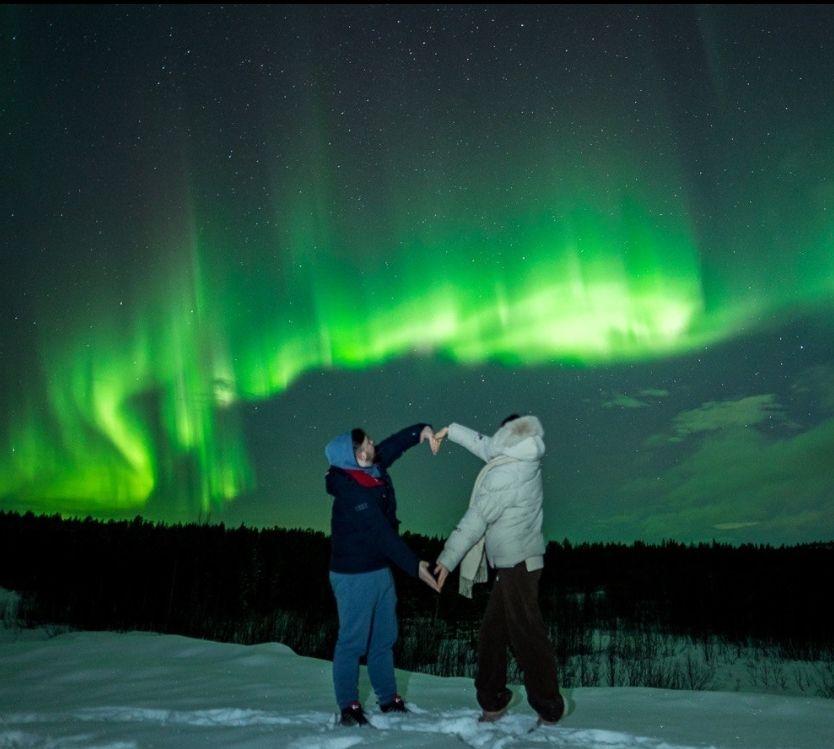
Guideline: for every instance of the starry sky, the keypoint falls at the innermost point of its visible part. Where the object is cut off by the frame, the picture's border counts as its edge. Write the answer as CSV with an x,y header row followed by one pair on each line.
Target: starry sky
x,y
231,233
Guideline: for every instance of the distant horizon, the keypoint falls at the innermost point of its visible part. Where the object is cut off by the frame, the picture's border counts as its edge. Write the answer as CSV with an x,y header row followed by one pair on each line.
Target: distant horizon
x,y
406,531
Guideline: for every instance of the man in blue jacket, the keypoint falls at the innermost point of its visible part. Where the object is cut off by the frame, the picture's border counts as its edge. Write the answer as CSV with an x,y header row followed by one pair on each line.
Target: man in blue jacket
x,y
364,543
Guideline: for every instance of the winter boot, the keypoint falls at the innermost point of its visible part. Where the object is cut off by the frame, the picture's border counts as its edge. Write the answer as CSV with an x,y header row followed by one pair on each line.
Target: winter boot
x,y
553,719
353,715
490,716
395,706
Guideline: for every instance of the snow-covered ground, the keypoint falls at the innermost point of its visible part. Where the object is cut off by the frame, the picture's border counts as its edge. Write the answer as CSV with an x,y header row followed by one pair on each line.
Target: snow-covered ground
x,y
119,691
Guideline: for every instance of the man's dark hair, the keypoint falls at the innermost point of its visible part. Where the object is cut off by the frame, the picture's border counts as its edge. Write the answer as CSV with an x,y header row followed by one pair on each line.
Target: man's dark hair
x,y
511,417
357,436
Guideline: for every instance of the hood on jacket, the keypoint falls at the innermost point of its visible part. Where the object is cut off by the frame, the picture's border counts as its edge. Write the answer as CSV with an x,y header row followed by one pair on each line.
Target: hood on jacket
x,y
522,439
339,453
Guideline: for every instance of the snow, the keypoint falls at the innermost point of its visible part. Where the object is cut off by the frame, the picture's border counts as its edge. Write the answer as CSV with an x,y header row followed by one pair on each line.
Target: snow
x,y
124,691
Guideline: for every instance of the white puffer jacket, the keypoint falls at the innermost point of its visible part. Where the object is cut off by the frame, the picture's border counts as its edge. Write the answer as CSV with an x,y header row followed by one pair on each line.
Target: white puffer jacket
x,y
508,504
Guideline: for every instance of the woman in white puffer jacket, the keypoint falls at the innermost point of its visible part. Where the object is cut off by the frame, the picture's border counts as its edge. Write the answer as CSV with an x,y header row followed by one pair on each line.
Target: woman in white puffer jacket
x,y
507,502
505,519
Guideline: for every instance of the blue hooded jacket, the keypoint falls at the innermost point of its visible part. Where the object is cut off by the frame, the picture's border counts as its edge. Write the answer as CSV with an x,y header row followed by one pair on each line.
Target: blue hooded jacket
x,y
364,521
339,453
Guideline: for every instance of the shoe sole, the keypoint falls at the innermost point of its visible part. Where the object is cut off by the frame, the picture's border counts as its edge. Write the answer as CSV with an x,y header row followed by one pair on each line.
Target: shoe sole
x,y
492,717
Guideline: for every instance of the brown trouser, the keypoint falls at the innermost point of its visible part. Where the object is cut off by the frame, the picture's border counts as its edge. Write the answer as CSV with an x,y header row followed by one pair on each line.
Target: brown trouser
x,y
513,619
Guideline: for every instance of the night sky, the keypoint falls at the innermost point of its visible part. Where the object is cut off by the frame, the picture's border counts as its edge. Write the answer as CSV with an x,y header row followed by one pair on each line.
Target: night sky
x,y
231,233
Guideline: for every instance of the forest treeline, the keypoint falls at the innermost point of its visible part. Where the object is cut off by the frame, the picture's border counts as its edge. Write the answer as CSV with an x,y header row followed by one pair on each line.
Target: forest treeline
x,y
253,585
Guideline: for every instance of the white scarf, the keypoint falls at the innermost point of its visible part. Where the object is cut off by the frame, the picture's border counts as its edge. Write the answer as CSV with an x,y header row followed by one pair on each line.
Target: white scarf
x,y
473,567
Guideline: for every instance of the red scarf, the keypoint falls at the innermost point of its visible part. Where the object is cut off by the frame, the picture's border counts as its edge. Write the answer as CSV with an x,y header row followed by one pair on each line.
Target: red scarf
x,y
364,479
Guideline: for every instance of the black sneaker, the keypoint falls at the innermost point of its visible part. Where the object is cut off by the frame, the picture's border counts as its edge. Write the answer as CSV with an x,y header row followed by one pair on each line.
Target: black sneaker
x,y
353,715
395,706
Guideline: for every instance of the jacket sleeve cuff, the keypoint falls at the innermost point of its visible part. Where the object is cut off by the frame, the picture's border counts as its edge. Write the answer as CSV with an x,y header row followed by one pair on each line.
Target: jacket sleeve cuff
x,y
448,559
456,432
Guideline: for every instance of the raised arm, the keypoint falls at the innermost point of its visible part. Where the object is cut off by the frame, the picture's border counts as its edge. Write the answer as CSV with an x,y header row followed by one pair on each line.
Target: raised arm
x,y
391,448
478,444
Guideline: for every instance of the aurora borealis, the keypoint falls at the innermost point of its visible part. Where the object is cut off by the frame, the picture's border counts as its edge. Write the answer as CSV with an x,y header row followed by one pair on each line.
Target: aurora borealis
x,y
232,232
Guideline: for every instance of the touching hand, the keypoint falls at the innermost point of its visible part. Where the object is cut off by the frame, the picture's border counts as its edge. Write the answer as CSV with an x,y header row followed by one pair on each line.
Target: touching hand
x,y
441,573
437,440
427,577
434,443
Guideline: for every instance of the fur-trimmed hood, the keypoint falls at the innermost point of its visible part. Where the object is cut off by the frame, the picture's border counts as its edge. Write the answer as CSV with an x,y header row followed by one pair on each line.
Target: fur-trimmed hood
x,y
522,439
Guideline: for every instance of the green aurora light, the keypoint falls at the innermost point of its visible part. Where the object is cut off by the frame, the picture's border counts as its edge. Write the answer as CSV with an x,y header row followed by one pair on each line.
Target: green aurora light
x,y
556,252
130,409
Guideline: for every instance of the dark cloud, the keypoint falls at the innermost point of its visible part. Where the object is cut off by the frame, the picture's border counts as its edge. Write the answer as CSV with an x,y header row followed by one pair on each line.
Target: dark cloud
x,y
624,401
621,400
738,483
654,393
715,416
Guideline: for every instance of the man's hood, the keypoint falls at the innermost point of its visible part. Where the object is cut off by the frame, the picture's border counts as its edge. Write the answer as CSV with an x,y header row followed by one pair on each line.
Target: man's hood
x,y
339,453
522,439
